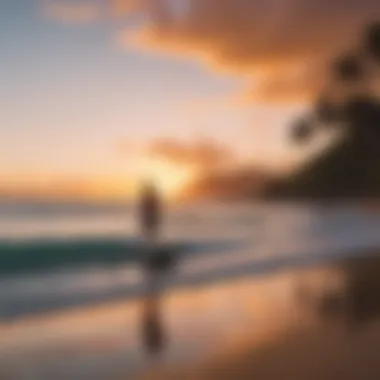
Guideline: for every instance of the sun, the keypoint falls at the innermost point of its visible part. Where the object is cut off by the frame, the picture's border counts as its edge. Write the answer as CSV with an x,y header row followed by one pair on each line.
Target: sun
x,y
169,177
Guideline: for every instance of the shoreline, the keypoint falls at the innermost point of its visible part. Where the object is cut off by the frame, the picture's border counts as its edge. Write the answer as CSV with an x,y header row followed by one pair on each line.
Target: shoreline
x,y
243,326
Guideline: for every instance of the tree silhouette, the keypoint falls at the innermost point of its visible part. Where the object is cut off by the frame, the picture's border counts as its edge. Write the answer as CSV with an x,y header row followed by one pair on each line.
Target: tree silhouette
x,y
352,167
348,68
372,41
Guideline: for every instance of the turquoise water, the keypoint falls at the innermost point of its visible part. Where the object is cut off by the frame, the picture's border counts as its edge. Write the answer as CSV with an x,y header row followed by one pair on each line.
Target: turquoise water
x,y
41,238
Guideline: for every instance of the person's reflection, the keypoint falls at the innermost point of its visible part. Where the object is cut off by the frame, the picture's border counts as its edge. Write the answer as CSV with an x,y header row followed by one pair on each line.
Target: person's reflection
x,y
156,267
153,332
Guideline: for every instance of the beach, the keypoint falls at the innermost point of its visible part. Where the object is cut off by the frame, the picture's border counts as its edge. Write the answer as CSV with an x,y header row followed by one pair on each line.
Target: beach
x,y
333,334
275,290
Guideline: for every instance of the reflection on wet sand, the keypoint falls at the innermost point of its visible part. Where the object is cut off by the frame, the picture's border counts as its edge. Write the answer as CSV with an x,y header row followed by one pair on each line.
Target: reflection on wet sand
x,y
333,334
313,323
153,330
349,290
158,264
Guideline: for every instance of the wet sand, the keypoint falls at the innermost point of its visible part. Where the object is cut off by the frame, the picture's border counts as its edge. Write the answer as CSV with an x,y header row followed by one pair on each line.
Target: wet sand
x,y
336,334
316,323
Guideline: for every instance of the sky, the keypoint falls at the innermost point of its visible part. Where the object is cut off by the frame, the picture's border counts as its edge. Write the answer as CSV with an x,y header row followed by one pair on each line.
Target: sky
x,y
98,93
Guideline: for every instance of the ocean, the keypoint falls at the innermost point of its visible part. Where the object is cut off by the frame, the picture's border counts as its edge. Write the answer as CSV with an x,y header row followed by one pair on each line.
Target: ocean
x,y
59,256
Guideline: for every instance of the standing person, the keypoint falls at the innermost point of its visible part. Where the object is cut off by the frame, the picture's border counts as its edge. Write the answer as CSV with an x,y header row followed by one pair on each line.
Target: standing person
x,y
150,212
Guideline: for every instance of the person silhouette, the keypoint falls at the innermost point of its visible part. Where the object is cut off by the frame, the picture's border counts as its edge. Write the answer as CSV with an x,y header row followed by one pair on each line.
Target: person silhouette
x,y
158,257
150,212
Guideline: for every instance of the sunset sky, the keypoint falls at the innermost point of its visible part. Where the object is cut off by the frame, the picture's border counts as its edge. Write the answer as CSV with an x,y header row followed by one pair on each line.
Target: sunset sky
x,y
96,94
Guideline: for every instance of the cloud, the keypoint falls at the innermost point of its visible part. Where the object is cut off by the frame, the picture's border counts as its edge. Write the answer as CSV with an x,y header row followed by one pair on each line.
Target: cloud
x,y
285,86
72,11
121,8
258,38
87,11
281,46
47,187
239,183
203,154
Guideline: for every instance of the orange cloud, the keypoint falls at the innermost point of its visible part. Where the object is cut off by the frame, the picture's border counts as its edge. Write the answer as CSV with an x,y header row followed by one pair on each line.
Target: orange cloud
x,y
201,154
262,40
286,86
65,188
121,8
204,154
257,38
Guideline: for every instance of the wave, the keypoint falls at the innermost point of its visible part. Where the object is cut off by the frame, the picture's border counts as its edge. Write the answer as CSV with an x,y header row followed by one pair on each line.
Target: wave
x,y
41,255
25,256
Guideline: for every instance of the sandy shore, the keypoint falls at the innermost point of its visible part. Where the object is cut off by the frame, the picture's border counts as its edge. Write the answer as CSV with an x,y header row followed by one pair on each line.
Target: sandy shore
x,y
336,334
315,323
